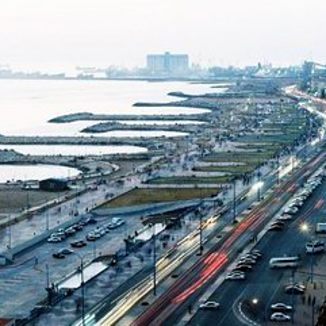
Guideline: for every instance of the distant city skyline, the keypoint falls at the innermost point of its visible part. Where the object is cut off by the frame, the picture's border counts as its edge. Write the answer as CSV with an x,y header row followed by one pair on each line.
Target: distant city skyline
x,y
44,35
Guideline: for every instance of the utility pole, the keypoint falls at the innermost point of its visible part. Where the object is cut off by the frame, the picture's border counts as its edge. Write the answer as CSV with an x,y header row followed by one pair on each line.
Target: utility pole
x,y
47,226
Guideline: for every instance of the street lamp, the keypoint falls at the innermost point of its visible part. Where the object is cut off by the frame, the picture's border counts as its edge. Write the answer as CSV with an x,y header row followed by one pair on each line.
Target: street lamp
x,y
82,283
234,200
154,259
305,228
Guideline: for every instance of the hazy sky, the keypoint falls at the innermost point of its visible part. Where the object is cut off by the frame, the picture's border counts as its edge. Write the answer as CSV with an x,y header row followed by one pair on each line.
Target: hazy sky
x,y
121,32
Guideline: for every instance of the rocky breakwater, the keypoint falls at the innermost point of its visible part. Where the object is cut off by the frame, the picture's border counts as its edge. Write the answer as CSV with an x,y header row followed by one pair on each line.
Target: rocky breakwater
x,y
86,116
112,126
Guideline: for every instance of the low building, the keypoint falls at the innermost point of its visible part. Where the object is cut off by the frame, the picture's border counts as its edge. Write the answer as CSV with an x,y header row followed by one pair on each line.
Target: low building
x,y
53,184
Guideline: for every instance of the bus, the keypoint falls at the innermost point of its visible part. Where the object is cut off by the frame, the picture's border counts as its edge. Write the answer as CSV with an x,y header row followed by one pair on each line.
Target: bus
x,y
284,262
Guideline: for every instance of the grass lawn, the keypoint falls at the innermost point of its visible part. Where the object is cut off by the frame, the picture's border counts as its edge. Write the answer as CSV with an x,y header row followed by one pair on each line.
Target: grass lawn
x,y
159,195
245,157
234,169
191,180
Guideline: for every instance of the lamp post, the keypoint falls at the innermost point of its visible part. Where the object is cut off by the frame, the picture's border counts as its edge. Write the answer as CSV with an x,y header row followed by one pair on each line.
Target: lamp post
x,y
82,283
154,260
305,228
234,200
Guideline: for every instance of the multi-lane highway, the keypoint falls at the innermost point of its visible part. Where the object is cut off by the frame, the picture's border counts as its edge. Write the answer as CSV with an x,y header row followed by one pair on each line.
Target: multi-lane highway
x,y
265,285
168,308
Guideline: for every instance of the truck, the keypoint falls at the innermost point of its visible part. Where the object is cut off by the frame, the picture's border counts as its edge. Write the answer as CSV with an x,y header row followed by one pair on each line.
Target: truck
x,y
321,228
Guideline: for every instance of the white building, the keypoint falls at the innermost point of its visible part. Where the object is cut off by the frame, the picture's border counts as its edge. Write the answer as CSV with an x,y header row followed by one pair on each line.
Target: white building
x,y
168,64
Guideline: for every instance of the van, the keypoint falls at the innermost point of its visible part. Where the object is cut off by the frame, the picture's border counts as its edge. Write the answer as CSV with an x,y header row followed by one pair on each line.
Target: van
x,y
321,228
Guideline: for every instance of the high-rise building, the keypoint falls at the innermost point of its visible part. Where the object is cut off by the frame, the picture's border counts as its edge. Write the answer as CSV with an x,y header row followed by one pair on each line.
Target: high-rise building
x,y
170,64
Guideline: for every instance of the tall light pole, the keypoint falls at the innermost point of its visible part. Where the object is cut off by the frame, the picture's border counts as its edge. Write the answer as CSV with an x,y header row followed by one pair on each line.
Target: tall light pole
x,y
82,285
234,200
154,260
9,232
305,228
259,185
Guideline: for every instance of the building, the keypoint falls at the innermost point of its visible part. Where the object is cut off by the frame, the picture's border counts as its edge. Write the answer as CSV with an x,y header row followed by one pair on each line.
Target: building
x,y
52,184
168,64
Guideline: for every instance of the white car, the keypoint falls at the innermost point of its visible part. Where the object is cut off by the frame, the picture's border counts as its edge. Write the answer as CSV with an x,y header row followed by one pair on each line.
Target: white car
x,y
281,307
54,239
285,217
235,276
209,305
279,316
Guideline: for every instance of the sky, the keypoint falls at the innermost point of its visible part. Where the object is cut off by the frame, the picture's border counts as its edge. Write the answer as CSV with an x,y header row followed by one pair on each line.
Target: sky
x,y
62,33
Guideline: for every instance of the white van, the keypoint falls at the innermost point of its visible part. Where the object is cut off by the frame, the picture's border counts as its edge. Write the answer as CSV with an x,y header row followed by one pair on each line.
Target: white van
x,y
321,228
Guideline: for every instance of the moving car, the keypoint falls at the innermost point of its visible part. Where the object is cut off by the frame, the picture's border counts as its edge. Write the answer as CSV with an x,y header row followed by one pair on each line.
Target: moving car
x,y
65,251
209,305
78,244
235,276
279,316
58,255
54,239
281,307
293,289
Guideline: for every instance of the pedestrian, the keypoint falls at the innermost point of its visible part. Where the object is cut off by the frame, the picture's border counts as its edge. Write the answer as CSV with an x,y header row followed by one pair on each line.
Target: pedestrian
x,y
303,298
309,300
189,308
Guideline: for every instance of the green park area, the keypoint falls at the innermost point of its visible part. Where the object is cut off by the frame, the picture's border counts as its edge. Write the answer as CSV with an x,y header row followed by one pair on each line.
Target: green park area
x,y
141,196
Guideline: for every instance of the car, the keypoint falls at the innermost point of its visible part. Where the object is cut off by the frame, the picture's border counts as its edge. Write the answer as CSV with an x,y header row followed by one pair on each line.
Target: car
x,y
280,223
243,268
209,305
91,221
293,289
65,251
275,227
78,227
285,217
279,316
256,252
291,210
250,256
247,260
90,237
70,231
54,239
235,276
58,255
78,244
281,307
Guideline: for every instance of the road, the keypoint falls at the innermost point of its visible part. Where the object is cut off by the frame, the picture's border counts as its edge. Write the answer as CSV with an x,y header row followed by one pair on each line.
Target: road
x,y
262,283
168,308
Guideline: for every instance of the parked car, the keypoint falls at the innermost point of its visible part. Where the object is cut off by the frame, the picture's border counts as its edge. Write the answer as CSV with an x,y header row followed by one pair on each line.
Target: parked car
x,y
209,305
243,268
275,227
